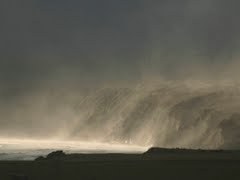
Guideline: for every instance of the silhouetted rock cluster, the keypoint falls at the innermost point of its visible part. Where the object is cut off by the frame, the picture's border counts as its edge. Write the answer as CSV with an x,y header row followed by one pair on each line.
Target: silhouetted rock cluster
x,y
56,155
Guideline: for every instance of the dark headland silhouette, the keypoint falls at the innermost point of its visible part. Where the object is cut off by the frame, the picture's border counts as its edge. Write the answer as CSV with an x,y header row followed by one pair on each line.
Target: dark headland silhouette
x,y
153,153
155,163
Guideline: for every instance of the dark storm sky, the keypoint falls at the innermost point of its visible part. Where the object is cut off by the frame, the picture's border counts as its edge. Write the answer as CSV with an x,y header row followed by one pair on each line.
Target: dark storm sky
x,y
102,41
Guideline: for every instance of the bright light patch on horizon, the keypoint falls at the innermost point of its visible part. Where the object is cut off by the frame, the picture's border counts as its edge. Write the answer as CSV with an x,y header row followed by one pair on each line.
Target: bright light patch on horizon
x,y
68,146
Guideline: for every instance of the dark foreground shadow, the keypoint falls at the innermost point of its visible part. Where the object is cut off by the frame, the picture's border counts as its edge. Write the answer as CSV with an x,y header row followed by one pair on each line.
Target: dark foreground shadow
x,y
18,177
156,163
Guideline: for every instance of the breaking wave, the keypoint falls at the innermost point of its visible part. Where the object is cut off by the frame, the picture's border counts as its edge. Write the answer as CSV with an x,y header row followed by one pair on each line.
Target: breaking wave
x,y
165,114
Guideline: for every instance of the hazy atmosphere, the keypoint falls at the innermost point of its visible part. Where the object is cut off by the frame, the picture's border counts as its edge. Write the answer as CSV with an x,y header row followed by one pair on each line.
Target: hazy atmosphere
x,y
139,72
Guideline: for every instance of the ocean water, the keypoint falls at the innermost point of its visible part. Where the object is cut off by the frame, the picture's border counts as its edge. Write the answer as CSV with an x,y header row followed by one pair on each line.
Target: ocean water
x,y
31,149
